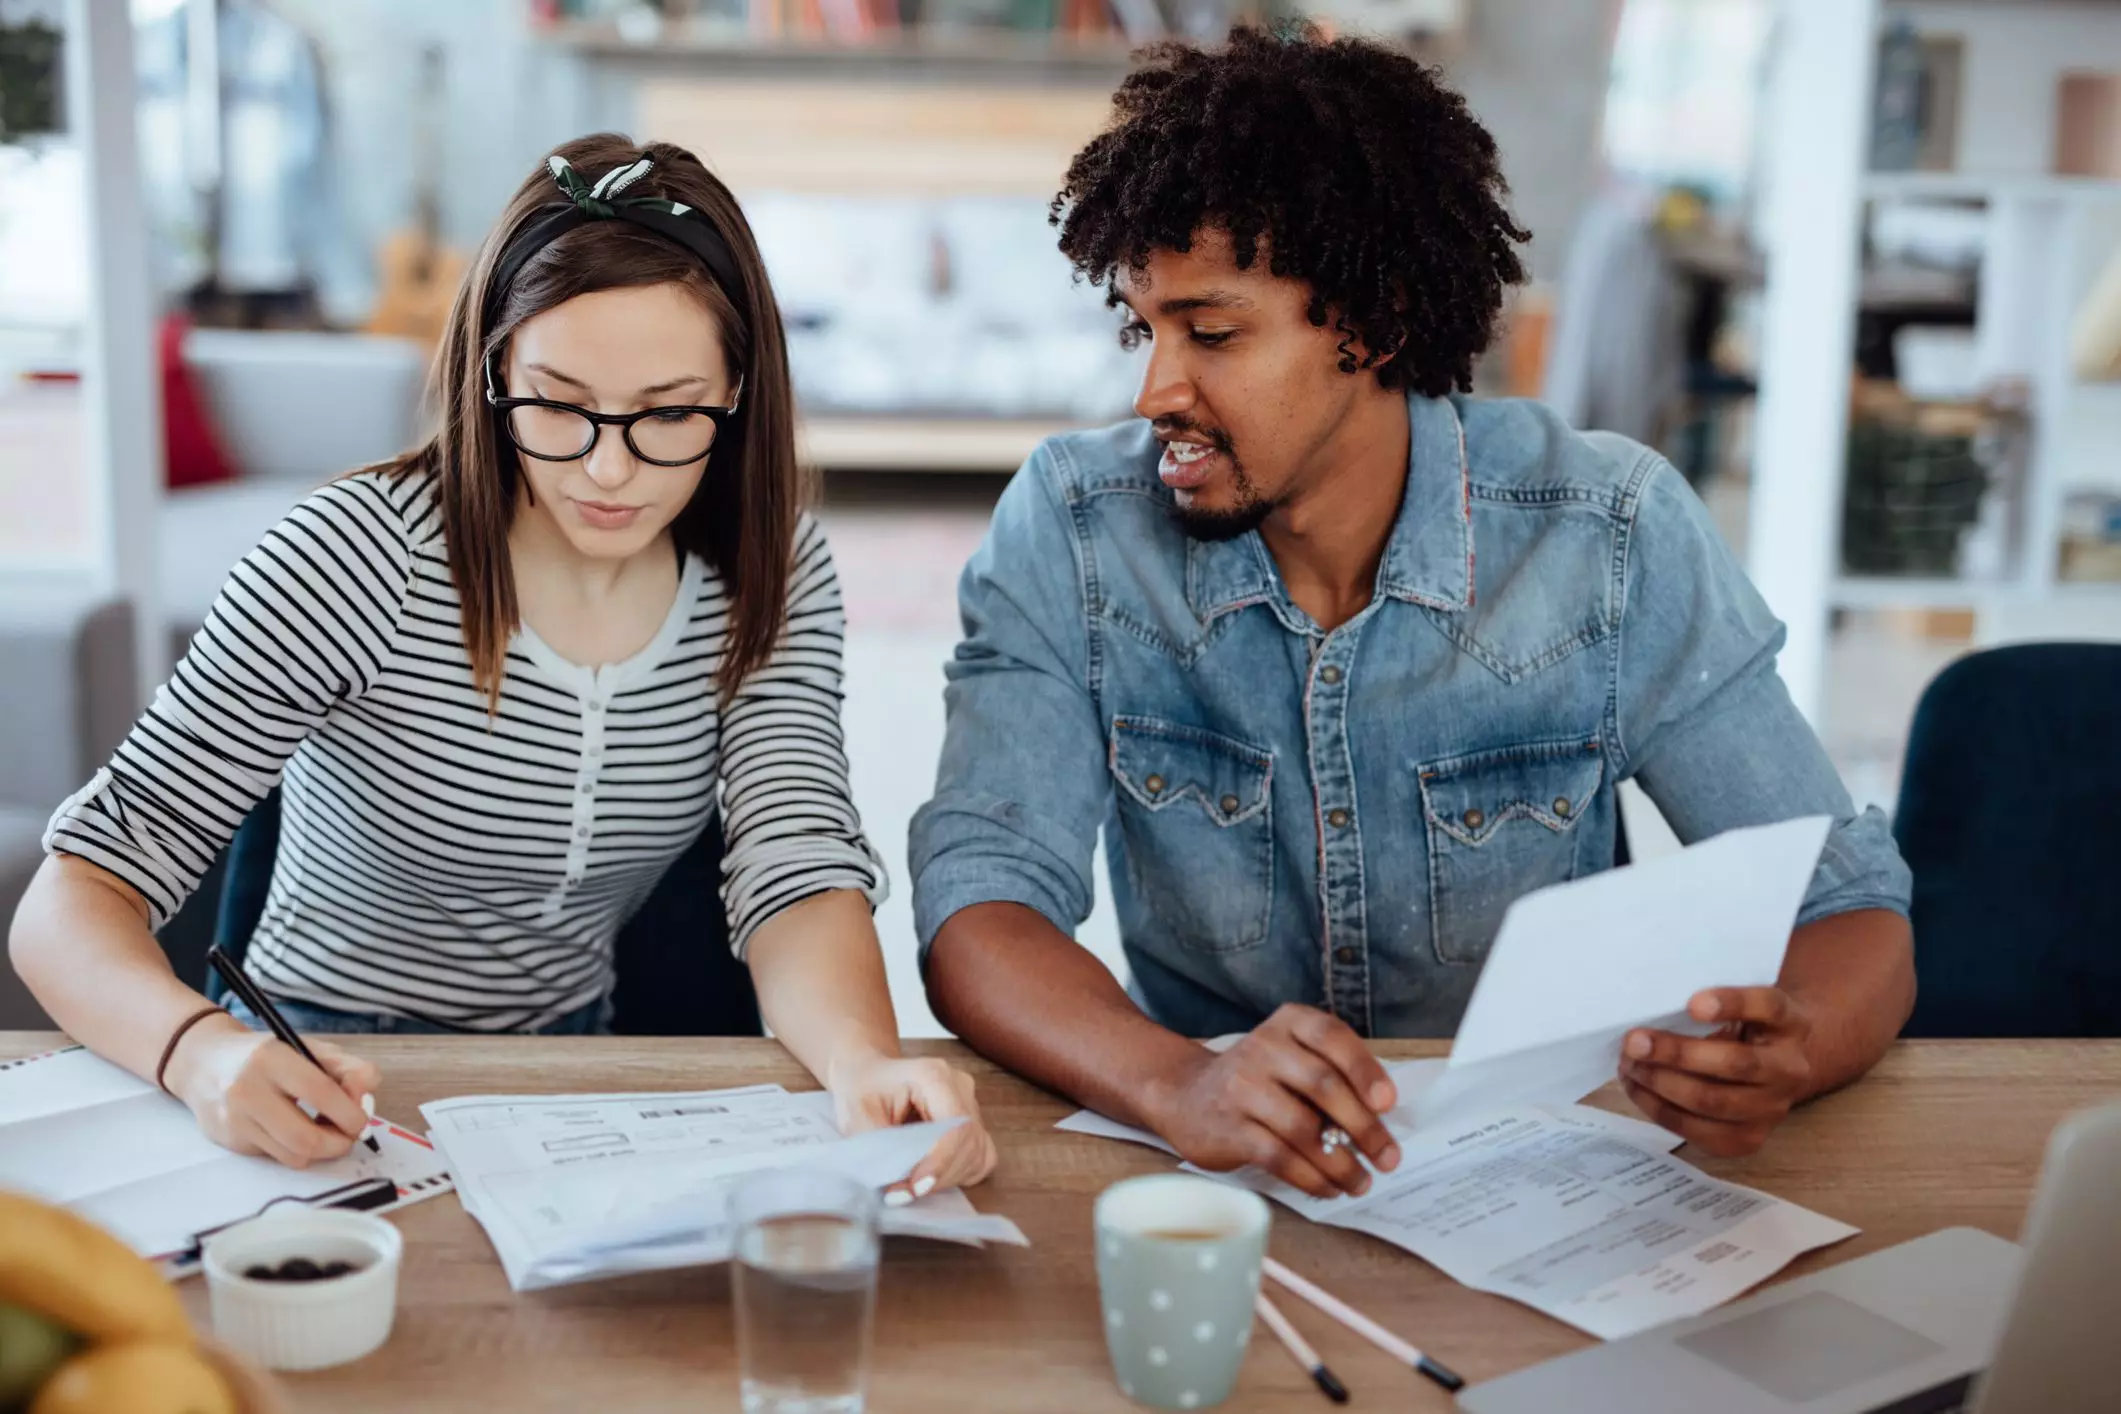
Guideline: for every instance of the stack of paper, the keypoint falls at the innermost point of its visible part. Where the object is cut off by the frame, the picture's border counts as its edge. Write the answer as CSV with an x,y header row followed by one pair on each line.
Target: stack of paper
x,y
1508,1186
575,1187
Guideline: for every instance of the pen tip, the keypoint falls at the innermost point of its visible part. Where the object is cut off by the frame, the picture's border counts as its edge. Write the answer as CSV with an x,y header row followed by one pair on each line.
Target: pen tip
x,y
1442,1374
1330,1383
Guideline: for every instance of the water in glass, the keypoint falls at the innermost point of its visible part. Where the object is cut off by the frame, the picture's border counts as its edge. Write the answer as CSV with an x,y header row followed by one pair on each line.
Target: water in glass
x,y
805,1289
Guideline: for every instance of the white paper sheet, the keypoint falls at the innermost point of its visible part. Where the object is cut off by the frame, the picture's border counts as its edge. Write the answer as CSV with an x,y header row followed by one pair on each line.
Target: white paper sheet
x,y
575,1187
81,1132
1578,966
1573,1219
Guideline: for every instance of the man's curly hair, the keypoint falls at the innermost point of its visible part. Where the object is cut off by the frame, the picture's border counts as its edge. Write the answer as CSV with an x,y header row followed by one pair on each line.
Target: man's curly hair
x,y
1360,172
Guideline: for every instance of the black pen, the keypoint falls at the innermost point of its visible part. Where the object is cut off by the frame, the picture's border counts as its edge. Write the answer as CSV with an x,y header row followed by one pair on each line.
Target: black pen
x,y
1300,1351
247,991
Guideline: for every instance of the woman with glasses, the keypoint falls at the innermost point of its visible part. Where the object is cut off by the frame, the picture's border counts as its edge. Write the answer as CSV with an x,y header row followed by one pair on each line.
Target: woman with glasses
x,y
503,682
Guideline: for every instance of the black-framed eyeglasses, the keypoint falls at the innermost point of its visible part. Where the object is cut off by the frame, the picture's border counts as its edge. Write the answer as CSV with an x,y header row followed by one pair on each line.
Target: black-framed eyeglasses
x,y
561,432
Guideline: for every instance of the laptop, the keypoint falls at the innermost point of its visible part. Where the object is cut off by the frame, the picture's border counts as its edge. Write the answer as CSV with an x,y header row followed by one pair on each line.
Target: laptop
x,y
1909,1330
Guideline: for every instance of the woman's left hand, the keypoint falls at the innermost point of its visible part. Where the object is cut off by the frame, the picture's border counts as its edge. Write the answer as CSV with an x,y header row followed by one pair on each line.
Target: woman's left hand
x,y
876,1091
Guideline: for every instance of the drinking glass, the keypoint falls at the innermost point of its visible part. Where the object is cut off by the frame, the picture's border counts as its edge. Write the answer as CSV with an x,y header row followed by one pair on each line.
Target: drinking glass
x,y
806,1250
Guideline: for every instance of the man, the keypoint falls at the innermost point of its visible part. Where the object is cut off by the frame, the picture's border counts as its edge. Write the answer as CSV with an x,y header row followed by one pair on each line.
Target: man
x,y
1344,662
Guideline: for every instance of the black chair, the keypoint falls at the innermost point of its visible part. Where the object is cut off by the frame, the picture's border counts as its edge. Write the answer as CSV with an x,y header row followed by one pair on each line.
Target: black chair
x,y
674,973
2010,817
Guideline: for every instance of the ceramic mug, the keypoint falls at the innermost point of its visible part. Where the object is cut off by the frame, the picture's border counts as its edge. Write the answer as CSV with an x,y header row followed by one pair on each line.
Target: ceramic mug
x,y
1178,1262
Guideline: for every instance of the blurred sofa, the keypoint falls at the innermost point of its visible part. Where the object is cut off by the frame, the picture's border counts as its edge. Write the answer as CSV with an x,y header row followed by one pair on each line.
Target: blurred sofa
x,y
66,695
292,410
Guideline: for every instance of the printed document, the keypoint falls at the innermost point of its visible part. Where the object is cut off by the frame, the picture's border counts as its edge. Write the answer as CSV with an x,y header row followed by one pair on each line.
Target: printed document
x,y
575,1187
1573,1218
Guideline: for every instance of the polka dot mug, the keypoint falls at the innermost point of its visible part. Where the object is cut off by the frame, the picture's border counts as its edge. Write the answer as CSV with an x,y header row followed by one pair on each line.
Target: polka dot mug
x,y
1177,1271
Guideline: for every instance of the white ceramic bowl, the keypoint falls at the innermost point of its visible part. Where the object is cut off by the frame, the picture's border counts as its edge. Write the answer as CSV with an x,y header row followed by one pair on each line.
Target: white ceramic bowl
x,y
304,1325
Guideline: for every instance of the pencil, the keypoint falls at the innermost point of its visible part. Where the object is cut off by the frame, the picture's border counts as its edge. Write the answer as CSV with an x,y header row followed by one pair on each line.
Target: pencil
x,y
1363,1326
1300,1350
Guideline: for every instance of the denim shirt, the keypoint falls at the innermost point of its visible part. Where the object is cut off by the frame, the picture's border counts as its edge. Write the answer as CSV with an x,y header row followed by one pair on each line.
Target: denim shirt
x,y
1341,818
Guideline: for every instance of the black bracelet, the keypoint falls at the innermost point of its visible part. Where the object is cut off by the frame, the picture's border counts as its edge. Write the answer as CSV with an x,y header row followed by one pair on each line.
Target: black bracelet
x,y
177,1035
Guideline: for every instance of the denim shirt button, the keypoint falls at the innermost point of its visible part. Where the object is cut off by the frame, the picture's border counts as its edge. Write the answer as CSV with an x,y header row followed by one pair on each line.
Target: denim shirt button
x,y
1344,955
1154,785
1475,818
1229,804
1329,675
1562,807
1338,819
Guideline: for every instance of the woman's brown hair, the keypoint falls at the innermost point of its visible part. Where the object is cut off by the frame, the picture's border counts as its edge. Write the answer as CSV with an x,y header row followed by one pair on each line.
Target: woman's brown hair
x,y
742,519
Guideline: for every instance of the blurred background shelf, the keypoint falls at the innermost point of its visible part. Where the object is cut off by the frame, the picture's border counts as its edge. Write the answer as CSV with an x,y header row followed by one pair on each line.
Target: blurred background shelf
x,y
1888,592
1870,592
977,55
872,137
1986,186
976,444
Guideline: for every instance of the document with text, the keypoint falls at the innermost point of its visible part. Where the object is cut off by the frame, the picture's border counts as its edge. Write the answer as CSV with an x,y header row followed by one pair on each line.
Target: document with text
x,y
1581,1221
576,1187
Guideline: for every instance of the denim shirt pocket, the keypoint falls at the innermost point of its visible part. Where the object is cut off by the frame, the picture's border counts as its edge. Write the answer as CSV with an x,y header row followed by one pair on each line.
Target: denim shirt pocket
x,y
1501,824
1195,812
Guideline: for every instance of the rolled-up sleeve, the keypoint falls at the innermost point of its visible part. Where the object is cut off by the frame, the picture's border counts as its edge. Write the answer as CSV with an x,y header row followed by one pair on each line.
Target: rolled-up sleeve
x,y
302,626
1705,723
792,828
1022,785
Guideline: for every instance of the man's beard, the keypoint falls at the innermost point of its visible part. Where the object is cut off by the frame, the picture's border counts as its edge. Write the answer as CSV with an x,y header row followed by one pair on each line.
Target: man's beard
x,y
1250,512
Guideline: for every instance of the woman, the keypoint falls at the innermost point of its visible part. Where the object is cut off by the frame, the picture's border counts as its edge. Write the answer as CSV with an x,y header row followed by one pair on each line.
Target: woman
x,y
504,681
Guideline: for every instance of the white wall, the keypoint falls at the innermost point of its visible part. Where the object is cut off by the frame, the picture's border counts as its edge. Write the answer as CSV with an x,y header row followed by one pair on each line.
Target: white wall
x,y
2092,438
1535,73
2012,51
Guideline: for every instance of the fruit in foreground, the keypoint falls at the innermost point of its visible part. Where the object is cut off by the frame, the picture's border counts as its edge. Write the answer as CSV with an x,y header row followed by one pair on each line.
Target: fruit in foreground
x,y
138,1377
67,1270
31,1347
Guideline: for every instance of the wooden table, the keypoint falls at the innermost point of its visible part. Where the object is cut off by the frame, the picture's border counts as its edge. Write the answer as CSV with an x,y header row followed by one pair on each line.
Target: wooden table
x,y
1942,1133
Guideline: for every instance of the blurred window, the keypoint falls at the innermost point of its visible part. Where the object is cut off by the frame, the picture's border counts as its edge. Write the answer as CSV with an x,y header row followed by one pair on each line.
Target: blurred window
x,y
1686,84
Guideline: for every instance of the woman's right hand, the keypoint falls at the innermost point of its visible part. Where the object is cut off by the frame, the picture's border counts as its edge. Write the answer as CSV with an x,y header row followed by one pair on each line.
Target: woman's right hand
x,y
243,1085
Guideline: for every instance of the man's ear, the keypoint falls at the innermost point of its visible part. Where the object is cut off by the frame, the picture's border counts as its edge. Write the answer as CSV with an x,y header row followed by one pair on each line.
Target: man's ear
x,y
1396,342
1354,353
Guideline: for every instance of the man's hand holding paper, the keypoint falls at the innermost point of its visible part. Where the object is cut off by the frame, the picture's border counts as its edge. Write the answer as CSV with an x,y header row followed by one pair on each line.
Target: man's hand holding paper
x,y
1728,1091
1584,974
1842,992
